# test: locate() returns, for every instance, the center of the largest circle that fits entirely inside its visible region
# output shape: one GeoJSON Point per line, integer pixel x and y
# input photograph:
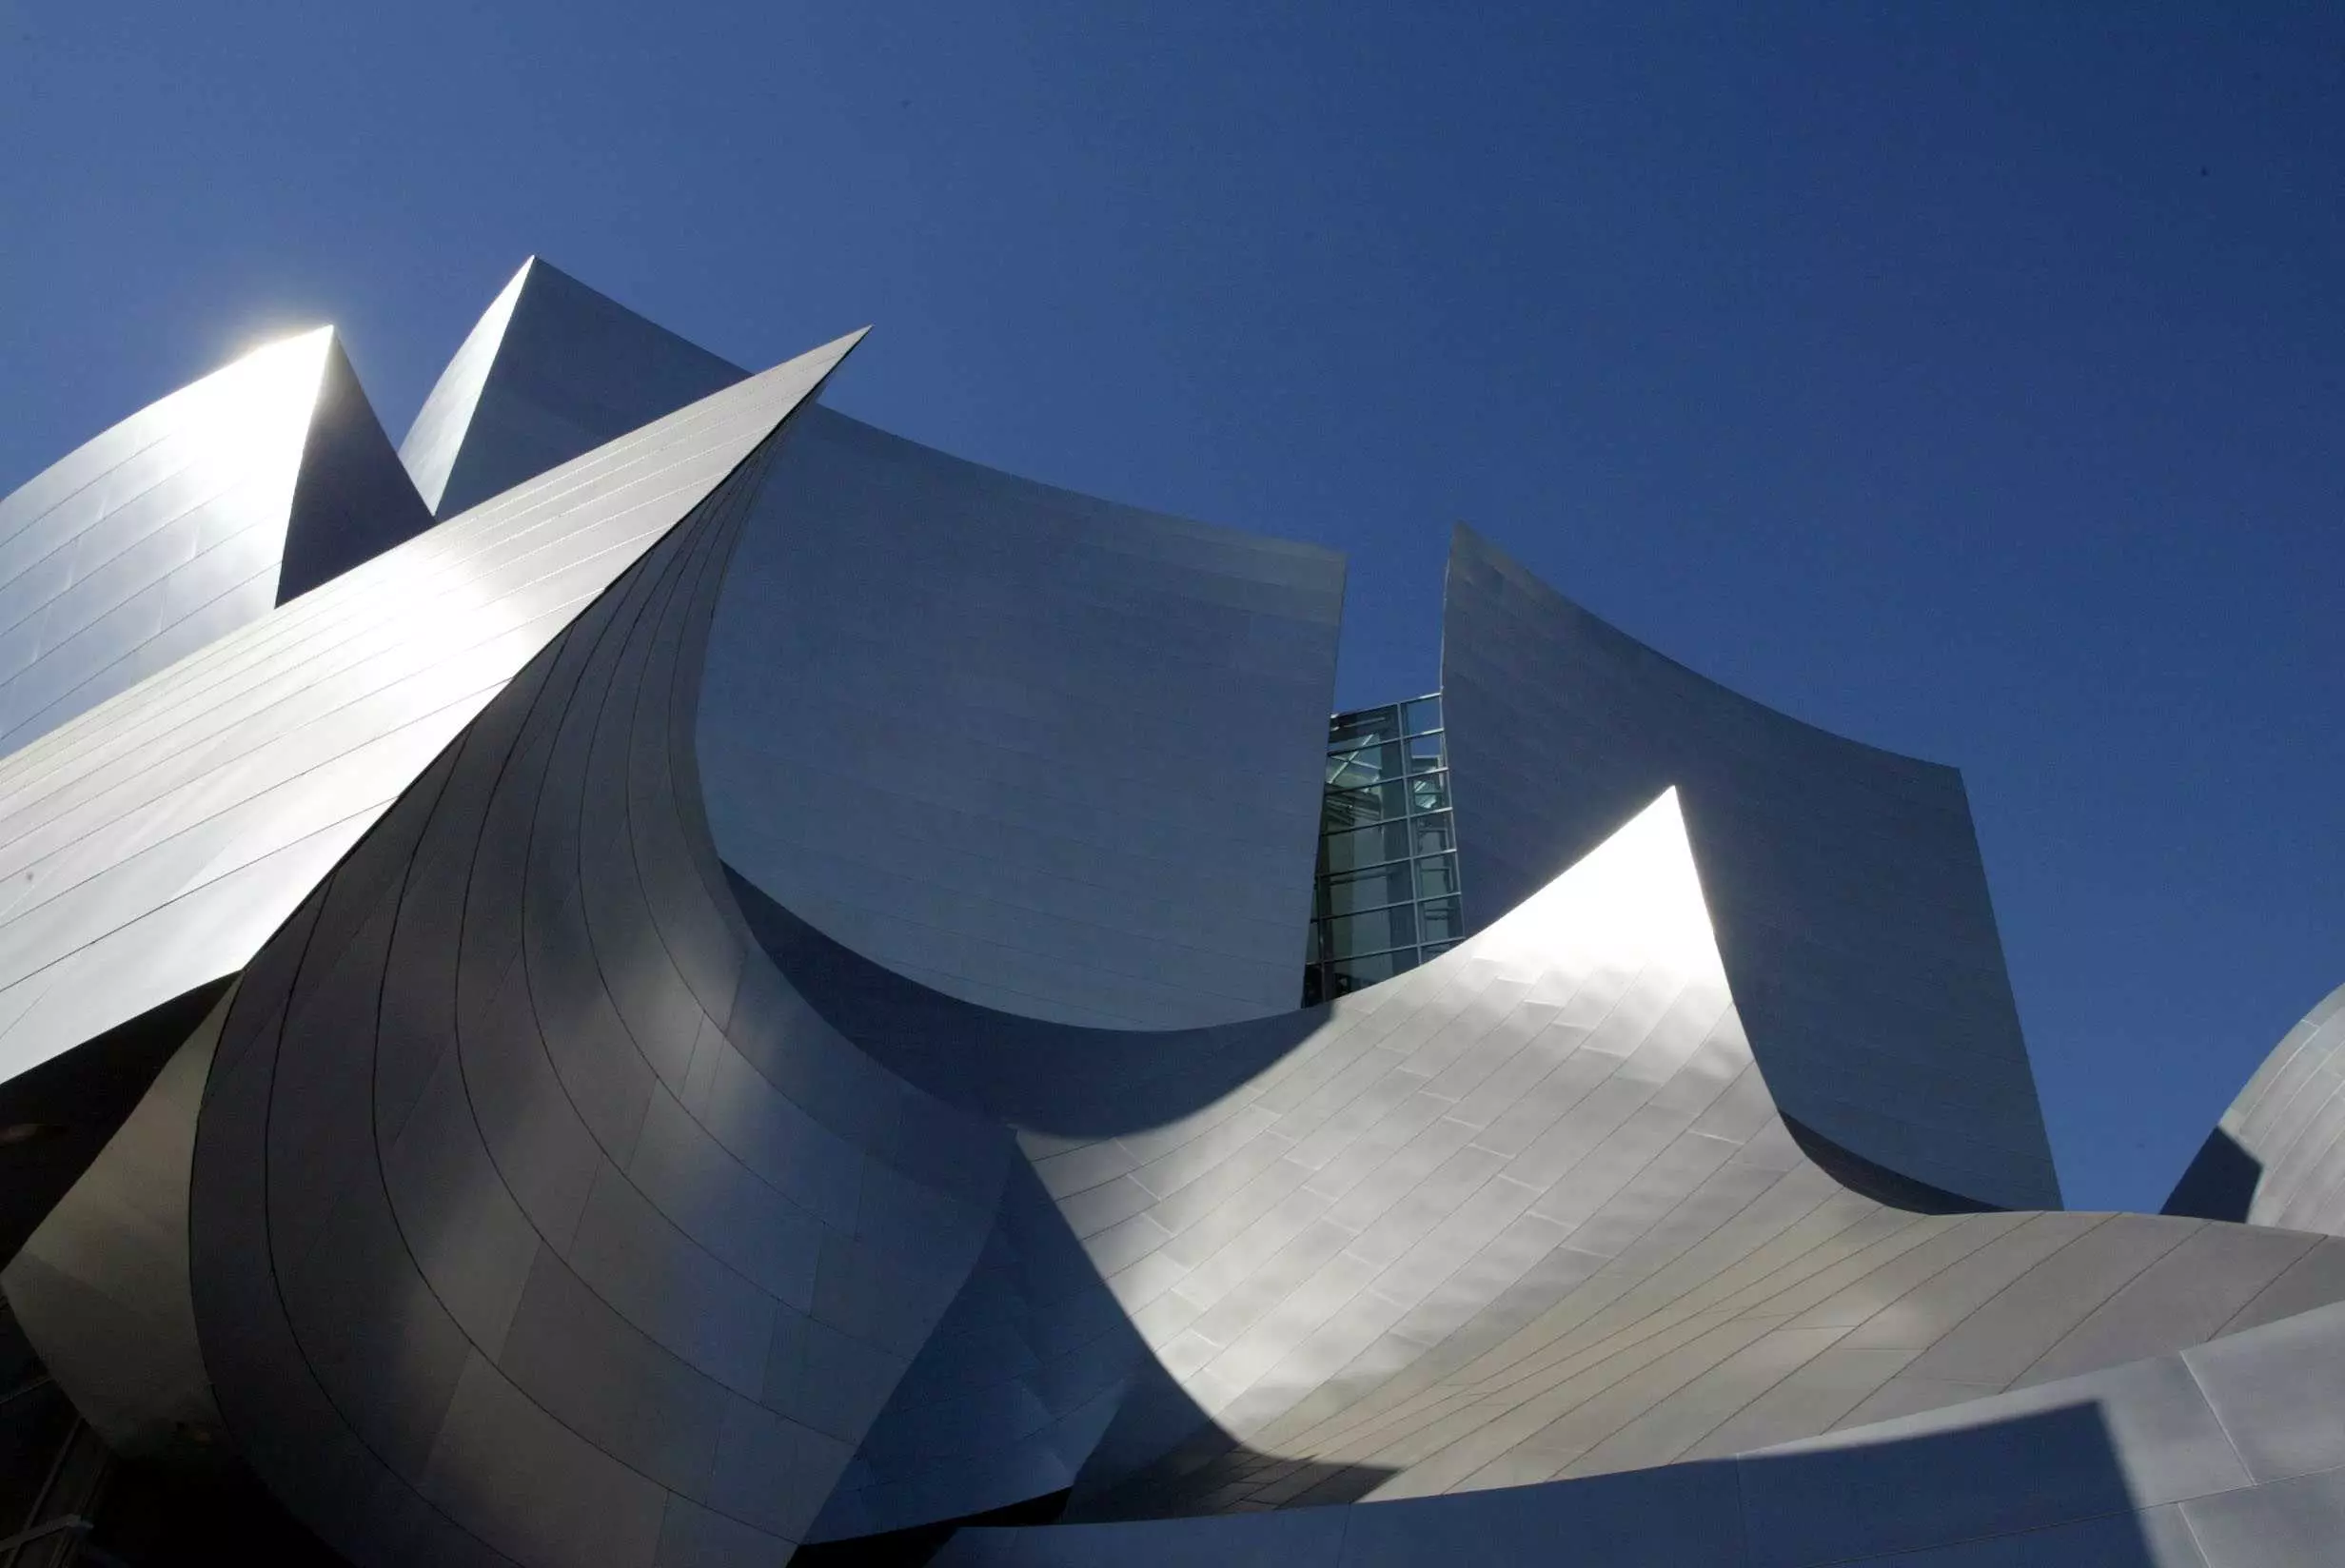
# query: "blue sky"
{"type": "Point", "coordinates": [1969, 380]}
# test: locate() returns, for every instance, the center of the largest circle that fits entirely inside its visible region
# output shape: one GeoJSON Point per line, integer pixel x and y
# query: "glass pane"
{"type": "Point", "coordinates": [1341, 809]}
{"type": "Point", "coordinates": [1349, 893]}
{"type": "Point", "coordinates": [1441, 921]}
{"type": "Point", "coordinates": [1367, 724]}
{"type": "Point", "coordinates": [1354, 766]}
{"type": "Point", "coordinates": [1352, 973]}
{"type": "Point", "coordinates": [1314, 985]}
{"type": "Point", "coordinates": [1425, 753]}
{"type": "Point", "coordinates": [1424, 714]}
{"type": "Point", "coordinates": [1436, 949]}
{"type": "Point", "coordinates": [1343, 852]}
{"type": "Point", "coordinates": [1437, 876]}
{"type": "Point", "coordinates": [1433, 833]}
{"type": "Point", "coordinates": [1429, 791]}
{"type": "Point", "coordinates": [1352, 934]}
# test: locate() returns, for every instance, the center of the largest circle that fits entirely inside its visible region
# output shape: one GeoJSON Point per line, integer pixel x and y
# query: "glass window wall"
{"type": "Point", "coordinates": [1387, 895]}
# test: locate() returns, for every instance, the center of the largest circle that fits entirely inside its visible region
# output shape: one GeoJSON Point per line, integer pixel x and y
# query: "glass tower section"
{"type": "Point", "coordinates": [1385, 895]}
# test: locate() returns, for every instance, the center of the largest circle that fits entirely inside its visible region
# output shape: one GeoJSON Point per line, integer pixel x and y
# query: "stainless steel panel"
{"type": "Point", "coordinates": [2278, 1156]}
{"type": "Point", "coordinates": [172, 527]}
{"type": "Point", "coordinates": [1849, 899]}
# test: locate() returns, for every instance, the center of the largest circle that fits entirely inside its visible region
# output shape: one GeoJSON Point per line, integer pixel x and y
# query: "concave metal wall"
{"type": "Point", "coordinates": [1036, 750]}
{"type": "Point", "coordinates": [1844, 882]}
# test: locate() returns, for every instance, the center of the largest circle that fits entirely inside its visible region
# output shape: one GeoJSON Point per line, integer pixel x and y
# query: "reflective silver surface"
{"type": "Point", "coordinates": [1529, 1212]}
{"type": "Point", "coordinates": [559, 1193]}
{"type": "Point", "coordinates": [534, 1214]}
{"type": "Point", "coordinates": [551, 370]}
{"type": "Point", "coordinates": [193, 517]}
{"type": "Point", "coordinates": [1845, 882]}
{"type": "Point", "coordinates": [1033, 749]}
{"type": "Point", "coordinates": [2164, 1463]}
{"type": "Point", "coordinates": [1038, 751]}
{"type": "Point", "coordinates": [2278, 1156]}
{"type": "Point", "coordinates": [155, 842]}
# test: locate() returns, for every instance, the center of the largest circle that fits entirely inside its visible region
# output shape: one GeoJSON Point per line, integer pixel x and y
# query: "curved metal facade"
{"type": "Point", "coordinates": [1846, 883]}
{"type": "Point", "coordinates": [2278, 1156]}
{"type": "Point", "coordinates": [532, 1213]}
{"type": "Point", "coordinates": [1529, 1213]}
{"type": "Point", "coordinates": [542, 1104]}
{"type": "Point", "coordinates": [2225, 1456]}
{"type": "Point", "coordinates": [1033, 749]}
{"type": "Point", "coordinates": [193, 517]}
{"type": "Point", "coordinates": [1069, 766]}
{"type": "Point", "coordinates": [551, 370]}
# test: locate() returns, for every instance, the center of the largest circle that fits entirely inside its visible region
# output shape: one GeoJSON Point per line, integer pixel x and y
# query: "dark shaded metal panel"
{"type": "Point", "coordinates": [101, 1287]}
{"type": "Point", "coordinates": [552, 369]}
{"type": "Point", "coordinates": [1844, 882]}
{"type": "Point", "coordinates": [352, 500]}
{"type": "Point", "coordinates": [1031, 749]}
{"type": "Point", "coordinates": [1012, 1391]}
{"type": "Point", "coordinates": [2278, 1156]}
{"type": "Point", "coordinates": [62, 1115]}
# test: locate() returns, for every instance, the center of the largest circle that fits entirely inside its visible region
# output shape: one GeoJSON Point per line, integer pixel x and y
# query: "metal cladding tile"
{"type": "Point", "coordinates": [2294, 1524]}
{"type": "Point", "coordinates": [470, 1239]}
{"type": "Point", "coordinates": [2186, 1295]}
{"type": "Point", "coordinates": [2109, 1443]}
{"type": "Point", "coordinates": [1675, 1425]}
{"type": "Point", "coordinates": [2279, 1389]}
{"type": "Point", "coordinates": [1965, 1264]}
{"type": "Point", "coordinates": [573, 1354]}
{"type": "Point", "coordinates": [581, 1506]}
{"type": "Point", "coordinates": [2314, 1280]}
{"type": "Point", "coordinates": [1905, 1394]}
{"type": "Point", "coordinates": [693, 1537]}
{"type": "Point", "coordinates": [2001, 1338]}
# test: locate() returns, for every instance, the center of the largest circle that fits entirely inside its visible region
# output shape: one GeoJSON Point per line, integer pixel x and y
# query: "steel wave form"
{"type": "Point", "coordinates": [1844, 881]}
{"type": "Point", "coordinates": [560, 1195]}
{"type": "Point", "coordinates": [1525, 1213]}
{"type": "Point", "coordinates": [534, 1216]}
{"type": "Point", "coordinates": [944, 703]}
